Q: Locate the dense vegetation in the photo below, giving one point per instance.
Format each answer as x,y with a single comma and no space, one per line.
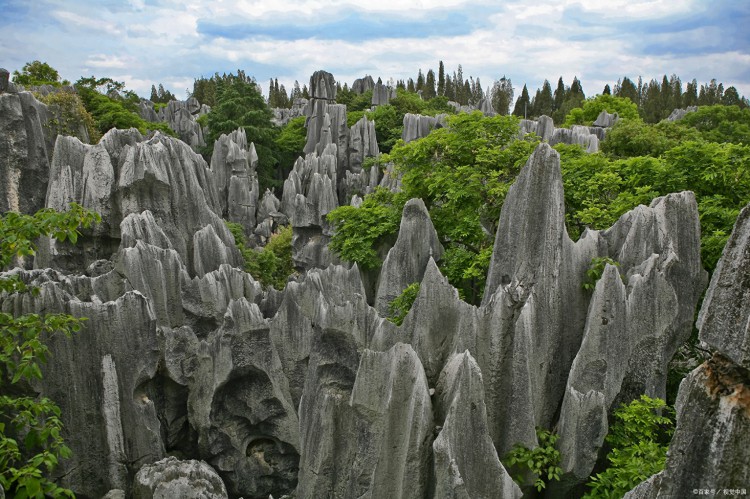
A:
31,443
639,438
271,265
117,108
463,171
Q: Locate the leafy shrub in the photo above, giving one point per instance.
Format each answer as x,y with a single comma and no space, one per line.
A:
71,117
272,265
399,307
592,107
596,270
542,461
109,112
31,443
360,231
639,438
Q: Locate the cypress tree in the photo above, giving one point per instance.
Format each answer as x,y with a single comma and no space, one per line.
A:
607,90
523,104
429,86
559,97
441,79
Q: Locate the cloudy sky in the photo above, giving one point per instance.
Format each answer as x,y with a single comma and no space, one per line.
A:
142,42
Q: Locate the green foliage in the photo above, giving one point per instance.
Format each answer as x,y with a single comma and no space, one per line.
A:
71,117
720,123
38,73
596,270
290,142
639,438
462,172
272,265
542,461
389,124
357,102
399,307
30,426
600,188
361,231
114,112
239,104
592,107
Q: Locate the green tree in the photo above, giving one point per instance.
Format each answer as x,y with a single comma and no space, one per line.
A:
523,104
113,111
627,89
502,95
544,102
462,172
639,438
587,114
429,86
399,307
272,265
31,442
38,73
559,96
239,104
441,79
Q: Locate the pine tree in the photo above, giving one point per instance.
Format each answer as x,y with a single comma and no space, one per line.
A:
271,94
607,90
458,84
305,92
559,96
450,91
429,86
466,93
676,87
666,98
400,84
441,79
691,94
154,95
523,104
628,89
502,95
410,86
296,91
420,80
545,100
478,92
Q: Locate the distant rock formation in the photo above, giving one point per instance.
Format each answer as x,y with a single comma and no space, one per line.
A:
282,116
587,137
678,114
382,94
181,116
362,85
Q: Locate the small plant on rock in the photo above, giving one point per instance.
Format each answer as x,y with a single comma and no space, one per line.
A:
542,461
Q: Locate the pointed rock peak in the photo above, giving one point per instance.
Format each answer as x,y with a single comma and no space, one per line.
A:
322,85
531,230
252,156
405,264
724,319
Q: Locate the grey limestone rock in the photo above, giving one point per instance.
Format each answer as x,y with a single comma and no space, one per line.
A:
678,114
710,448
5,76
382,94
171,478
25,148
142,227
362,144
724,320
466,463
362,85
181,116
406,262
417,126
485,105
606,120
146,111
533,251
